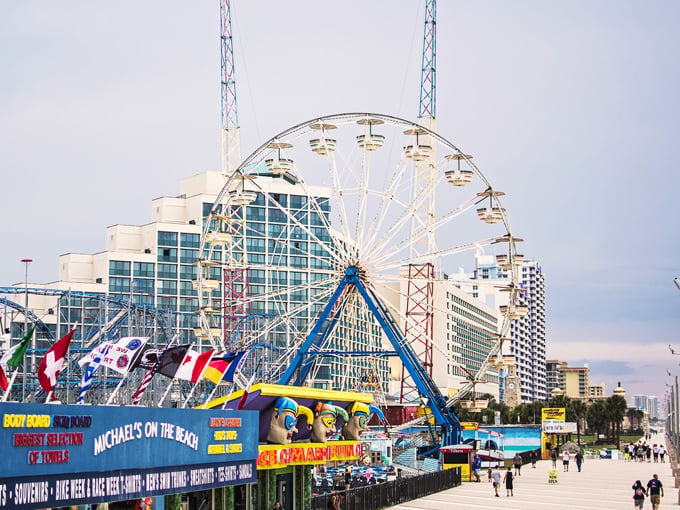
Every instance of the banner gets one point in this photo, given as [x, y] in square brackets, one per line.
[64, 455]
[554, 413]
[558, 427]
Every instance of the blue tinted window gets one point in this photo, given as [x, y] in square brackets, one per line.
[167, 238]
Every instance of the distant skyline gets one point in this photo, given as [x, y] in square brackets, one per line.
[570, 108]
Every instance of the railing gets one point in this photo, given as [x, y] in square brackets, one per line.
[374, 497]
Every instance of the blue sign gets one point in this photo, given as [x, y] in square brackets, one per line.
[62, 455]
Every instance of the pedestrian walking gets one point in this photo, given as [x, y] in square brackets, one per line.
[565, 461]
[517, 462]
[553, 457]
[508, 478]
[662, 452]
[639, 494]
[477, 468]
[655, 489]
[578, 458]
[655, 450]
[533, 456]
[496, 477]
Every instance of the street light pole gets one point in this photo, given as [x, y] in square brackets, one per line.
[23, 379]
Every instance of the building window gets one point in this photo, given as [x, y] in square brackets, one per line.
[119, 285]
[187, 272]
[167, 271]
[167, 238]
[298, 261]
[187, 304]
[166, 303]
[167, 287]
[256, 275]
[187, 289]
[190, 240]
[297, 201]
[119, 267]
[142, 286]
[167, 255]
[188, 256]
[276, 215]
[144, 269]
[255, 214]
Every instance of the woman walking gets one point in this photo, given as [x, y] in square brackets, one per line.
[508, 479]
[639, 493]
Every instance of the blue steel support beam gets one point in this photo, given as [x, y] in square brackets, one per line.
[324, 325]
[296, 362]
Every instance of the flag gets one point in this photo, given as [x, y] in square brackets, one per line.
[122, 354]
[146, 380]
[171, 360]
[148, 357]
[97, 355]
[246, 390]
[89, 357]
[14, 356]
[4, 383]
[220, 364]
[51, 365]
[192, 365]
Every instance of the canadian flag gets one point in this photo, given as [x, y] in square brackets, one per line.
[193, 365]
[49, 368]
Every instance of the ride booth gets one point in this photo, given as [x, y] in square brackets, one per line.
[458, 456]
[300, 427]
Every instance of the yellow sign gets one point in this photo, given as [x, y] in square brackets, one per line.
[553, 477]
[554, 413]
[469, 425]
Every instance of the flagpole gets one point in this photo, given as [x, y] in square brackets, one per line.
[166, 392]
[197, 381]
[9, 387]
[113, 393]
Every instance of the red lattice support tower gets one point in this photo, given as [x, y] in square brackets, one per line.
[418, 329]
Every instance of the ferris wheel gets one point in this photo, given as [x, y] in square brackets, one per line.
[356, 197]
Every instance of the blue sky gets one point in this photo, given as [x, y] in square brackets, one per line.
[571, 108]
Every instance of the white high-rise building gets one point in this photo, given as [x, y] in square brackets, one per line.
[528, 333]
[649, 403]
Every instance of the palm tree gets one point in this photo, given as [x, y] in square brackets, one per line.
[596, 417]
[578, 411]
[616, 409]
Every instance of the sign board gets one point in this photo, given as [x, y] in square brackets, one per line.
[553, 477]
[277, 455]
[553, 413]
[65, 455]
[558, 427]
[469, 425]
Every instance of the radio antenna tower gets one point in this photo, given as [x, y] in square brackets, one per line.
[231, 145]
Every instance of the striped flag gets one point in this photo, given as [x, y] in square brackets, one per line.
[146, 380]
[88, 374]
[167, 363]
[223, 366]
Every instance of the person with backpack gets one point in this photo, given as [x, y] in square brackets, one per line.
[639, 494]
